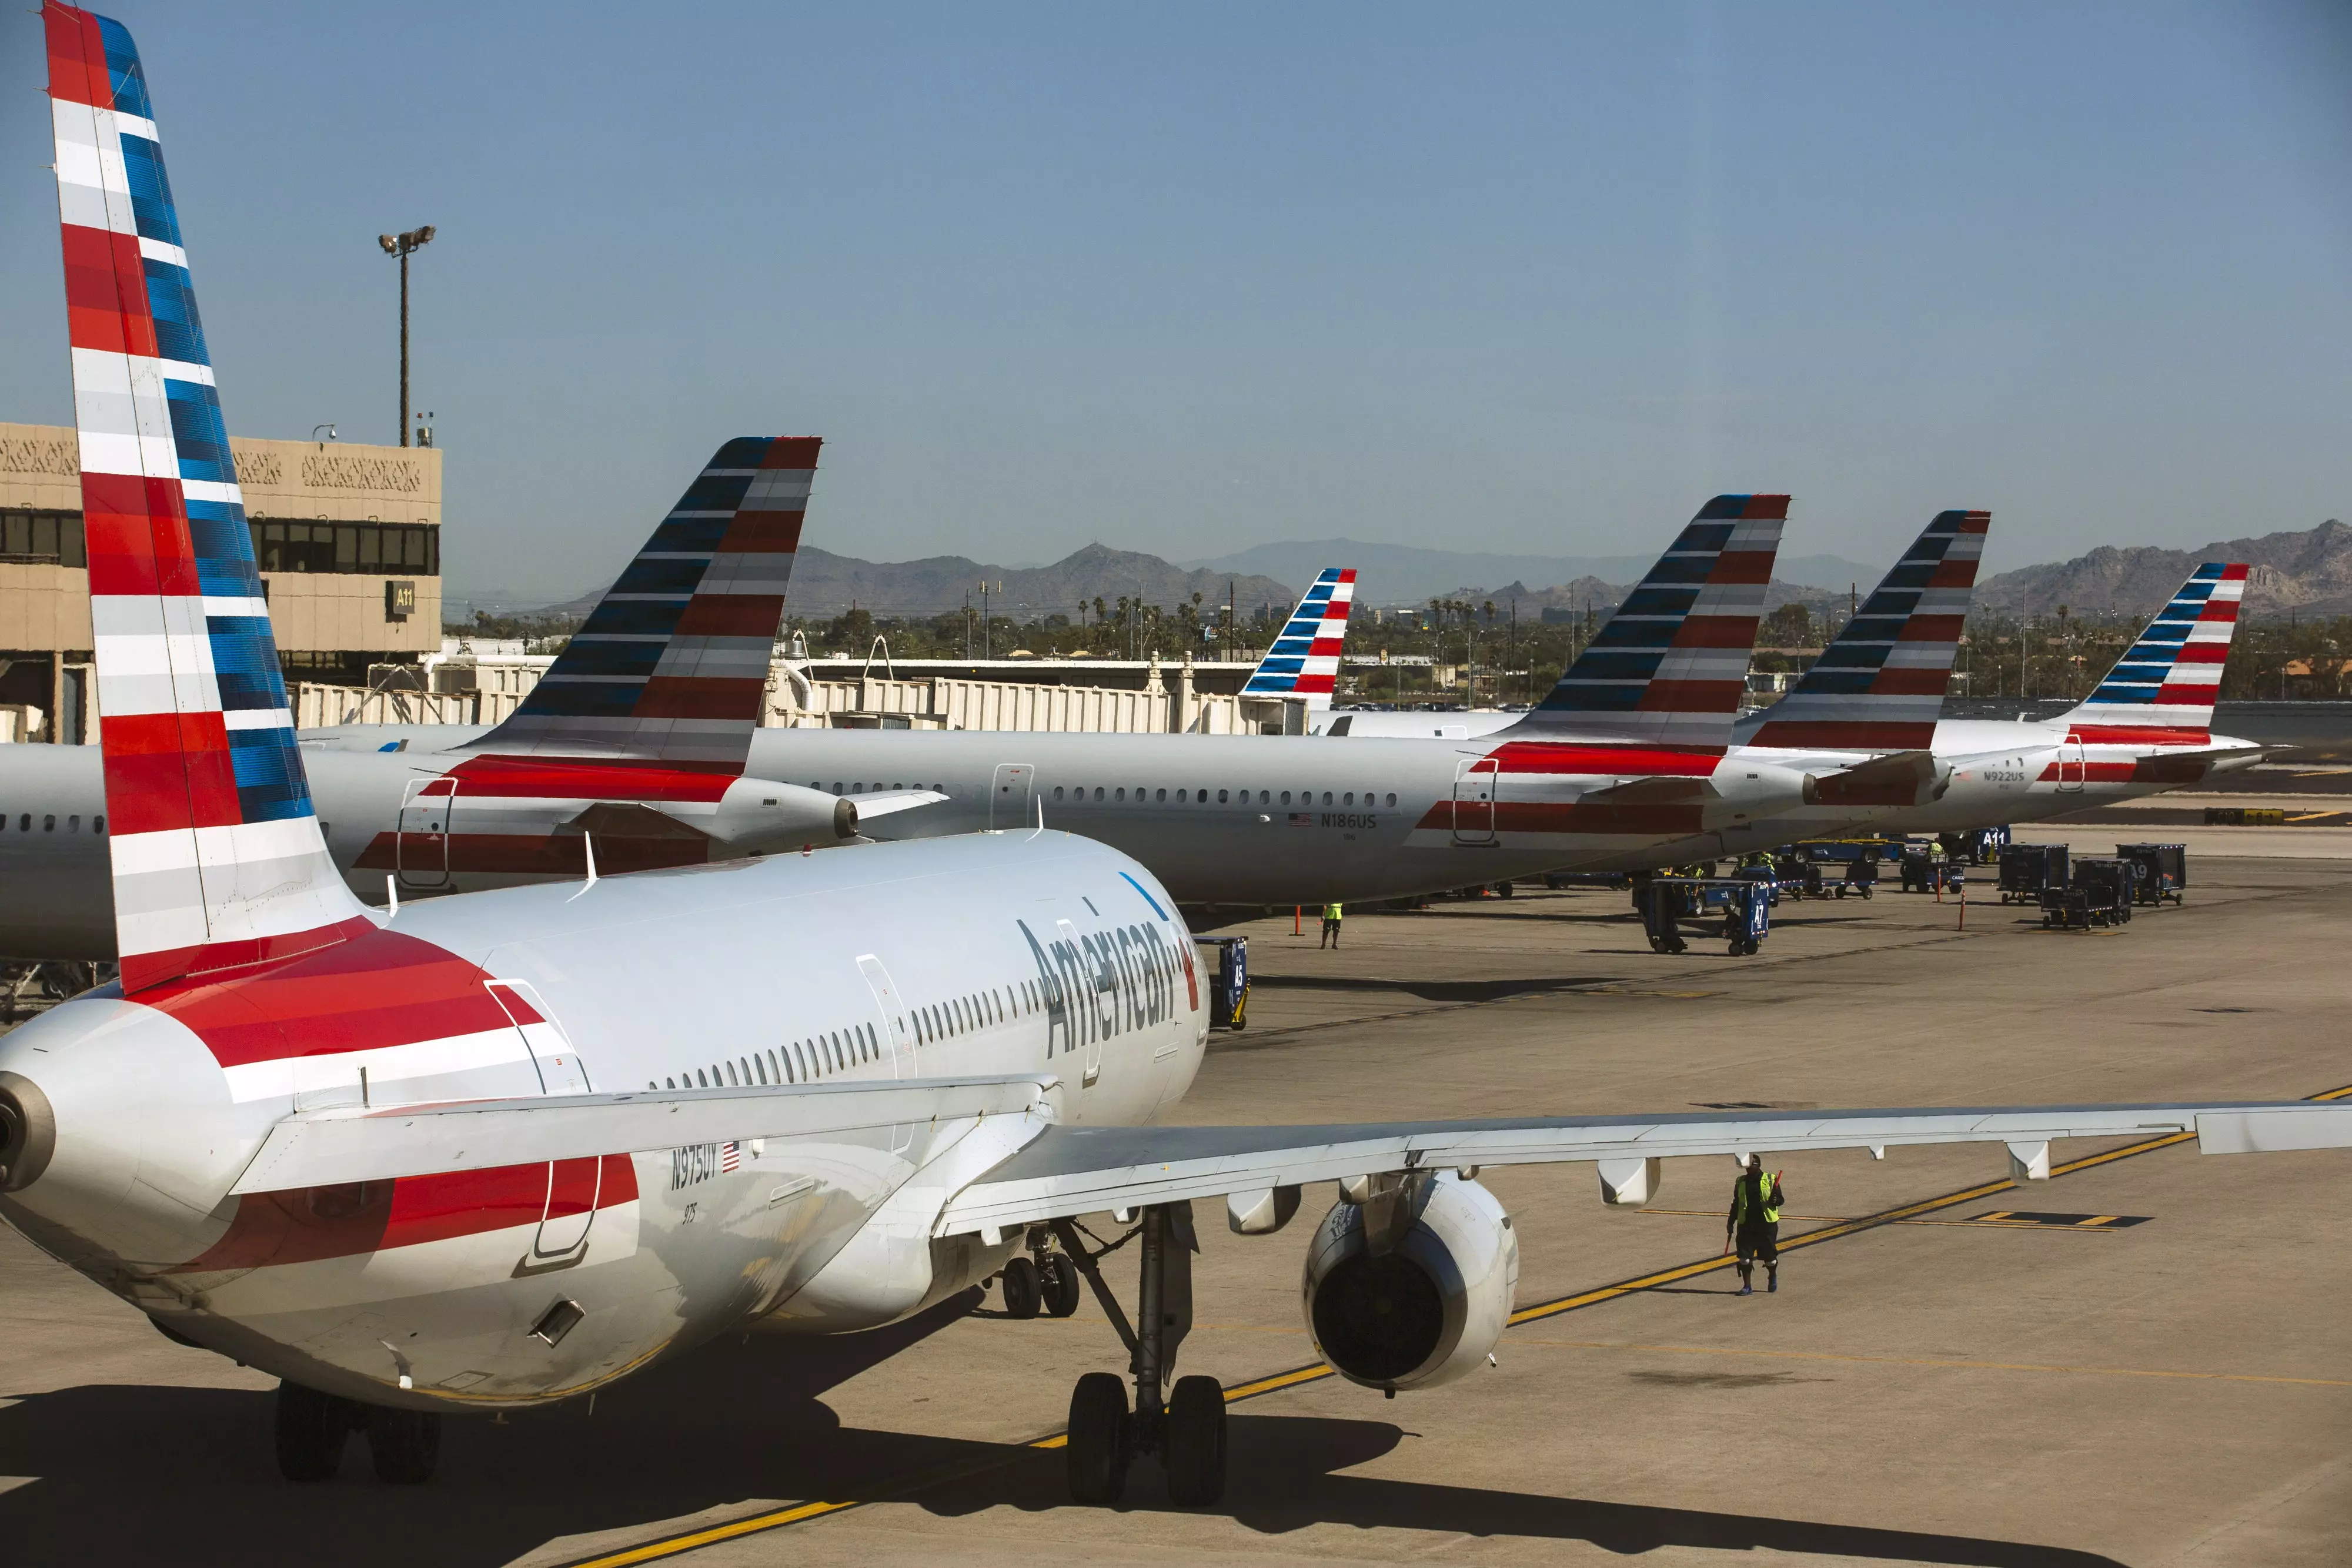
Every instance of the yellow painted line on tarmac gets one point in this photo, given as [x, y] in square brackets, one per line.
[1297, 1376]
[1939, 1362]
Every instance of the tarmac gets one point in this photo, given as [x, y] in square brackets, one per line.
[2156, 1371]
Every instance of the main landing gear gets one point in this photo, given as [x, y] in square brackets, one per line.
[1045, 1282]
[1187, 1428]
[311, 1427]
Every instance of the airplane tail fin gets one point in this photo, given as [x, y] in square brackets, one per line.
[1304, 659]
[2168, 679]
[1879, 685]
[217, 858]
[672, 661]
[1670, 665]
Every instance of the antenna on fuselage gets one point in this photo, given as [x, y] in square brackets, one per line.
[392, 889]
[588, 849]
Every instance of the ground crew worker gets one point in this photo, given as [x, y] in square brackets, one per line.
[1332, 915]
[1753, 1225]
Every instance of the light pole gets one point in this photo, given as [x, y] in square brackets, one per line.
[400, 245]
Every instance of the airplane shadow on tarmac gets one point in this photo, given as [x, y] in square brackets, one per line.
[131, 1472]
[1433, 990]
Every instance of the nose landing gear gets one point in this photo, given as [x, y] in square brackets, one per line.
[1186, 1429]
[312, 1426]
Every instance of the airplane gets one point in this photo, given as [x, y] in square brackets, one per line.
[399, 1159]
[1628, 751]
[1303, 659]
[631, 750]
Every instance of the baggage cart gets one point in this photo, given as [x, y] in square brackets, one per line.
[2027, 869]
[1229, 991]
[2098, 893]
[1736, 909]
[2163, 870]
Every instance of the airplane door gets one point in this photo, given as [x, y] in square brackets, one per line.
[572, 1188]
[2072, 767]
[561, 1070]
[1084, 1008]
[421, 846]
[1008, 796]
[903, 1061]
[1475, 790]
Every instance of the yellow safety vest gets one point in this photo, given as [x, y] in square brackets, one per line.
[1331, 912]
[1771, 1190]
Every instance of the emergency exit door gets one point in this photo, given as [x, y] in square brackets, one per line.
[1475, 785]
[420, 853]
[1008, 796]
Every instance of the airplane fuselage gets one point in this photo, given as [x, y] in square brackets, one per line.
[1034, 954]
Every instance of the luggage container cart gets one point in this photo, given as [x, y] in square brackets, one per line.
[2027, 869]
[2163, 870]
[1858, 858]
[1737, 909]
[1229, 991]
[2097, 893]
[1924, 873]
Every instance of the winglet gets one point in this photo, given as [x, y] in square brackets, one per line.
[1879, 685]
[1304, 659]
[2168, 679]
[217, 858]
[672, 661]
[1671, 664]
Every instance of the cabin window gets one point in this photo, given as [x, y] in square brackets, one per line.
[97, 825]
[1326, 796]
[1391, 798]
[1285, 797]
[1118, 795]
[1162, 795]
[837, 788]
[73, 824]
[49, 824]
[1350, 798]
[1057, 791]
[1099, 792]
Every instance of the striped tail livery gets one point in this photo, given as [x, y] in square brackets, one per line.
[2167, 680]
[1304, 659]
[1879, 685]
[672, 664]
[216, 855]
[1669, 666]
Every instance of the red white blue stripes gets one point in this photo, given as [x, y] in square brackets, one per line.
[2168, 679]
[1304, 659]
[217, 859]
[673, 663]
[1879, 685]
[1671, 665]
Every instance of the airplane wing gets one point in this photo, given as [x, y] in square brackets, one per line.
[1068, 1171]
[333, 1146]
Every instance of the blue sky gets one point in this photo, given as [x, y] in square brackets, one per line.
[1186, 279]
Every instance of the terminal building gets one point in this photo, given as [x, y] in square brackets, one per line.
[348, 537]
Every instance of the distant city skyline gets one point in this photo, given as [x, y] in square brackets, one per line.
[1535, 281]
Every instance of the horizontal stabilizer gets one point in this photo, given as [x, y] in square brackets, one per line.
[349, 1144]
[885, 802]
[1662, 791]
[1897, 779]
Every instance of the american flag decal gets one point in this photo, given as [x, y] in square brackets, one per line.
[731, 1155]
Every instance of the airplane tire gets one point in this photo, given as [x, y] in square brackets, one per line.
[1101, 1439]
[310, 1429]
[1195, 1444]
[1062, 1285]
[406, 1444]
[1022, 1294]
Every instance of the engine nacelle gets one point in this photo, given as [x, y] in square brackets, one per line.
[760, 816]
[1426, 1310]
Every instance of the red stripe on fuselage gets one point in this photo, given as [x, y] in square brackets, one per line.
[593, 778]
[311, 1224]
[1843, 735]
[1589, 761]
[2137, 735]
[379, 989]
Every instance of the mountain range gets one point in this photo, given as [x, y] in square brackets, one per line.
[1411, 574]
[2307, 573]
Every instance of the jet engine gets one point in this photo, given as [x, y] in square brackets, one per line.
[1410, 1279]
[760, 816]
